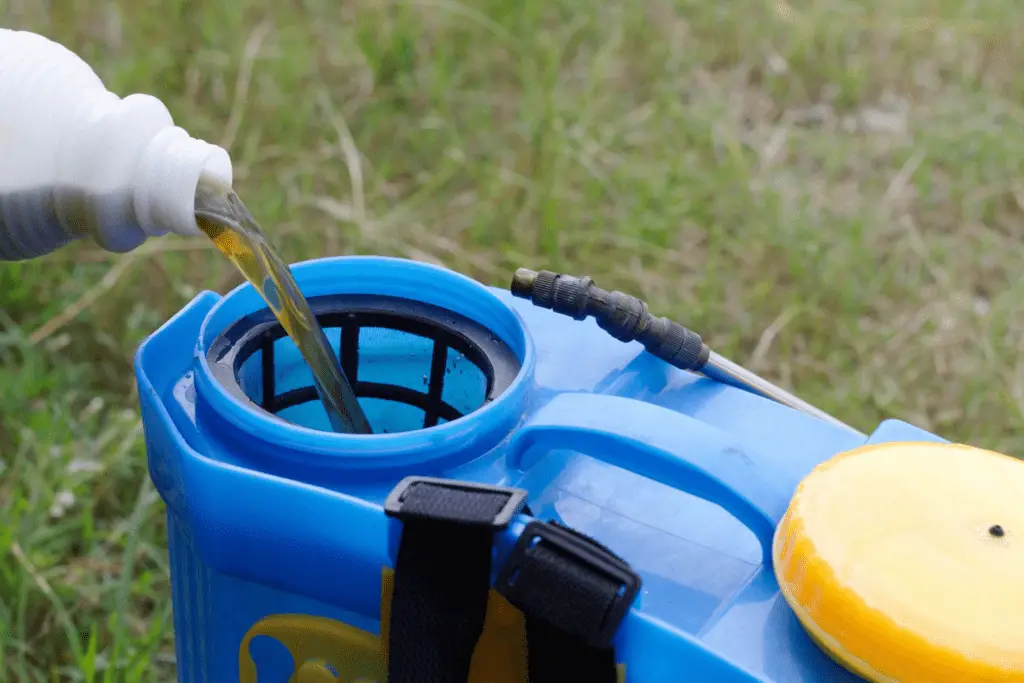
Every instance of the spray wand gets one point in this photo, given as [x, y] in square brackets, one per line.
[626, 318]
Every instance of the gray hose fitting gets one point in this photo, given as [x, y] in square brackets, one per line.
[624, 317]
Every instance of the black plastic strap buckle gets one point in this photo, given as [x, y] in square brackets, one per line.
[455, 502]
[570, 581]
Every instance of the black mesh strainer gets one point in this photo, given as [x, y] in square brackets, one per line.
[412, 365]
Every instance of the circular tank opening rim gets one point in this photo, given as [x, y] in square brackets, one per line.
[374, 275]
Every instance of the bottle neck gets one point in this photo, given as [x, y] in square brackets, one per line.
[167, 176]
[126, 173]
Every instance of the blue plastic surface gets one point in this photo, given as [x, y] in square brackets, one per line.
[683, 477]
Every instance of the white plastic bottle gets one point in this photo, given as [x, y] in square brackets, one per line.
[77, 161]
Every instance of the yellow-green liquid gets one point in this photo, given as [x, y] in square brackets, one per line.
[222, 216]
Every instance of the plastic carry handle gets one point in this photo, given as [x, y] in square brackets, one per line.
[660, 444]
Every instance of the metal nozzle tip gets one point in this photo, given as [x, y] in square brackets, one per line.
[522, 283]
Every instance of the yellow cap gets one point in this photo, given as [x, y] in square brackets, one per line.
[905, 562]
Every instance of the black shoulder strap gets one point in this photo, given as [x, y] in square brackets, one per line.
[442, 574]
[573, 591]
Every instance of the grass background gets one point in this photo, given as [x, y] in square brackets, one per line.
[829, 191]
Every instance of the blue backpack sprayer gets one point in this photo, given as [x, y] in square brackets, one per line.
[559, 487]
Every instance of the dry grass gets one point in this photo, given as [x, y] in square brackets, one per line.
[829, 189]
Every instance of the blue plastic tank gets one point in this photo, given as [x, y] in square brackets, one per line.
[275, 524]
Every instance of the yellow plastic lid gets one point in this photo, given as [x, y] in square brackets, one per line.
[905, 562]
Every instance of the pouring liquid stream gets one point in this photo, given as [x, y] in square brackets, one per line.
[222, 216]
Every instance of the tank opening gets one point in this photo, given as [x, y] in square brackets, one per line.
[412, 365]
